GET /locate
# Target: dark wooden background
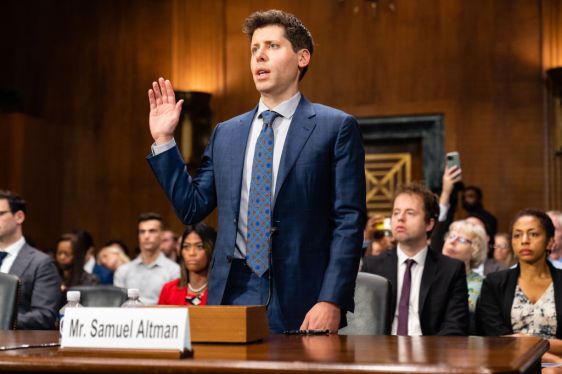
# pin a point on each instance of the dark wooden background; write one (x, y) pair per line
(82, 69)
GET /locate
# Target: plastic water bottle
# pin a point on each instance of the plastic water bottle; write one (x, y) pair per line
(73, 301)
(132, 299)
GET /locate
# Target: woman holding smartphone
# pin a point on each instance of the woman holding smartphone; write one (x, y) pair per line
(526, 300)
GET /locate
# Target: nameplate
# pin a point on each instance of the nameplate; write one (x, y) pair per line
(126, 328)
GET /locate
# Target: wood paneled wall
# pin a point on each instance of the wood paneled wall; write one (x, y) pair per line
(83, 68)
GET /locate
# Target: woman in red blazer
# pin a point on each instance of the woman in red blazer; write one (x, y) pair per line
(197, 245)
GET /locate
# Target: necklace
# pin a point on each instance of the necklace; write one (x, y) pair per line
(197, 290)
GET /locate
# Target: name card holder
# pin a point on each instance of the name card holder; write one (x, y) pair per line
(126, 332)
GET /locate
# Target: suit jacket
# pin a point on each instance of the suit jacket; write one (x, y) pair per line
(443, 301)
(493, 311)
(319, 210)
(40, 293)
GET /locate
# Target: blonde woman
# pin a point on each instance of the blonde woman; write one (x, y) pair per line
(466, 241)
(113, 255)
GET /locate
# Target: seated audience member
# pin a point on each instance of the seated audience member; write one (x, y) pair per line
(467, 242)
(71, 251)
(503, 253)
(91, 264)
(40, 282)
(556, 250)
(170, 245)
(113, 254)
(429, 292)
(377, 237)
(472, 202)
(190, 288)
(151, 269)
(527, 299)
(489, 265)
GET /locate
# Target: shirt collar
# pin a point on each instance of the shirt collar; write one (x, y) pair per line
(158, 262)
(419, 257)
(14, 248)
(287, 108)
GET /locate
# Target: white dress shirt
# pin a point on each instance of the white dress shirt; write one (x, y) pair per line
(280, 129)
(12, 250)
(414, 326)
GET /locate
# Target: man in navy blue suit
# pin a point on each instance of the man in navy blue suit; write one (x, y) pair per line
(314, 189)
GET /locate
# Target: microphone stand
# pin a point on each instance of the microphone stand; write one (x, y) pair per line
(272, 232)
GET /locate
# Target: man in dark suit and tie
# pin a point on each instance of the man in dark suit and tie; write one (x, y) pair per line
(429, 291)
(288, 181)
(40, 293)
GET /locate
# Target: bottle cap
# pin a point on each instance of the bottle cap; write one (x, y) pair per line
(73, 296)
(133, 293)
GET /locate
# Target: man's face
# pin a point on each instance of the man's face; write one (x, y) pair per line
(557, 246)
(408, 220)
(470, 199)
(274, 63)
(168, 244)
(150, 235)
(10, 223)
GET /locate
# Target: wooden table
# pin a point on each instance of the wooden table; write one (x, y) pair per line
(295, 354)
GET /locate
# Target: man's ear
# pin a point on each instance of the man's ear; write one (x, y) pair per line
(303, 58)
(430, 225)
(20, 217)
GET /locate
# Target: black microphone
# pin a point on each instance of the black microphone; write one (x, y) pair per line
(270, 260)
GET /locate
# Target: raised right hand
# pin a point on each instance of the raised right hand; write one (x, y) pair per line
(164, 111)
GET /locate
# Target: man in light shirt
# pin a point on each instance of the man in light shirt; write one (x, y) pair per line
(151, 269)
(429, 291)
(40, 294)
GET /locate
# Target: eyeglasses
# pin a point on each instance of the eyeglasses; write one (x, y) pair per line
(498, 246)
(458, 238)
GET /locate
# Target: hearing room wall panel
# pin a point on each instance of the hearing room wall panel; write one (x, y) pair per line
(85, 67)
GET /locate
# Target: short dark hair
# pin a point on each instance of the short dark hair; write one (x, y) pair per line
(541, 216)
(430, 200)
(208, 235)
(15, 202)
(295, 31)
(150, 216)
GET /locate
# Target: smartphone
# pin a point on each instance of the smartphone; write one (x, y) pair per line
(453, 159)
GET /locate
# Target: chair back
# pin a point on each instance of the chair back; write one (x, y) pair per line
(101, 295)
(9, 299)
(372, 307)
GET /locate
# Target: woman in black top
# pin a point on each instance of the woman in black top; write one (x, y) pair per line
(525, 300)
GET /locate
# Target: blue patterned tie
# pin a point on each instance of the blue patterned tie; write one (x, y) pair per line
(259, 204)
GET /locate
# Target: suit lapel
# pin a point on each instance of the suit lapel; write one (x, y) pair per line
(301, 127)
(556, 282)
(509, 293)
(392, 275)
(22, 261)
(237, 156)
(429, 270)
